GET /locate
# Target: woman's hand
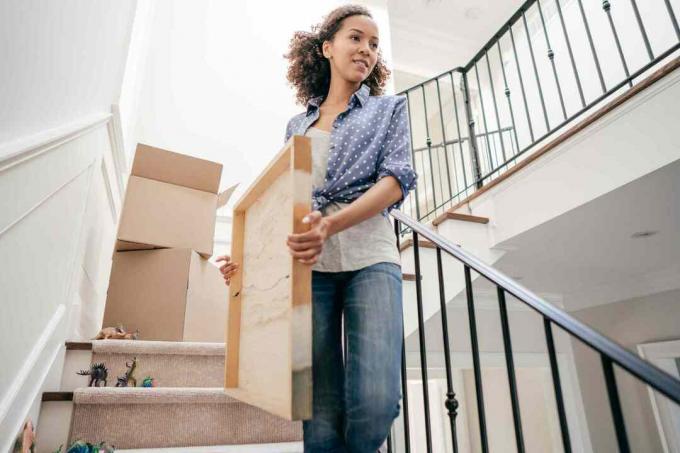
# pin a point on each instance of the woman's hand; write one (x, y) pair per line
(228, 269)
(306, 247)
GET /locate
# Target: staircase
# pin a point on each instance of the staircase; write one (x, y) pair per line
(541, 127)
(610, 353)
(188, 408)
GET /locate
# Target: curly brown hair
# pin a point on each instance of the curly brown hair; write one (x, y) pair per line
(310, 73)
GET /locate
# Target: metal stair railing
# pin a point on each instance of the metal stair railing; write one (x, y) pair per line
(541, 96)
(609, 351)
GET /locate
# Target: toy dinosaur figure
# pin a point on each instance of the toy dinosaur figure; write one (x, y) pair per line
(148, 382)
(80, 446)
(25, 443)
(128, 378)
(116, 333)
(97, 372)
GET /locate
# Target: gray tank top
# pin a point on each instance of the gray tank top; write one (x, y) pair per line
(369, 242)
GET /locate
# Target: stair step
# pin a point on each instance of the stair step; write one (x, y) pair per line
(421, 243)
(448, 215)
(171, 364)
(57, 396)
(283, 447)
(173, 417)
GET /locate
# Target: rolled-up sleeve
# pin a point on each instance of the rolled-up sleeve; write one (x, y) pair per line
(395, 158)
(289, 131)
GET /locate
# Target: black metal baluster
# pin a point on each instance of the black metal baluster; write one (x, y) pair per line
(571, 54)
(592, 47)
(474, 153)
(557, 385)
(521, 85)
(671, 16)
(615, 405)
(413, 154)
(495, 105)
(446, 156)
(610, 352)
(510, 365)
(551, 56)
(486, 127)
(441, 180)
(475, 361)
(423, 347)
(451, 403)
(643, 32)
(606, 6)
(460, 138)
(507, 93)
(429, 150)
(427, 205)
(533, 62)
(404, 379)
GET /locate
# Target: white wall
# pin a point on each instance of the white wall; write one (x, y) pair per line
(629, 322)
(61, 176)
(61, 61)
(215, 83)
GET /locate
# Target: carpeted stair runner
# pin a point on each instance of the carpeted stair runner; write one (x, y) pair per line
(171, 364)
(284, 447)
(173, 417)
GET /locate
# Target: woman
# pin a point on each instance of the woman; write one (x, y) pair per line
(361, 170)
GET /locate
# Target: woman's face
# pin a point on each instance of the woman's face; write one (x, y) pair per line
(354, 49)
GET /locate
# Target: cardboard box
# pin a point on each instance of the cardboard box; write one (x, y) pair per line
(168, 294)
(170, 201)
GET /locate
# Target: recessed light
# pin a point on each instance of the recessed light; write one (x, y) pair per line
(643, 234)
(473, 13)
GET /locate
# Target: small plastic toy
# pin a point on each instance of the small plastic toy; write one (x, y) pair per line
(148, 382)
(116, 333)
(25, 443)
(85, 447)
(128, 378)
(97, 372)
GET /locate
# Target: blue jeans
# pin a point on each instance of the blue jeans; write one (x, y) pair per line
(355, 404)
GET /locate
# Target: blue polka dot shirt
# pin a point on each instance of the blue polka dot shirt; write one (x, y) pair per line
(369, 140)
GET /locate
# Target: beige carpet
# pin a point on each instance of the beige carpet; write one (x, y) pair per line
(171, 364)
(173, 417)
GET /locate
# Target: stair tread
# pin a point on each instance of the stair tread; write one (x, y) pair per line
(283, 447)
(450, 215)
(152, 395)
(148, 347)
(421, 243)
(174, 417)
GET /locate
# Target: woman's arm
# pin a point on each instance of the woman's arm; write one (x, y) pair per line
(307, 246)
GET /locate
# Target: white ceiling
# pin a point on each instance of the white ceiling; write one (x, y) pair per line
(583, 258)
(588, 255)
(430, 37)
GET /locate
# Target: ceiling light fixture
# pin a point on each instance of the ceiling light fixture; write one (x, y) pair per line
(473, 13)
(643, 234)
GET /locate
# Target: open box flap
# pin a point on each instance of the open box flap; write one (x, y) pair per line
(175, 168)
(225, 195)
